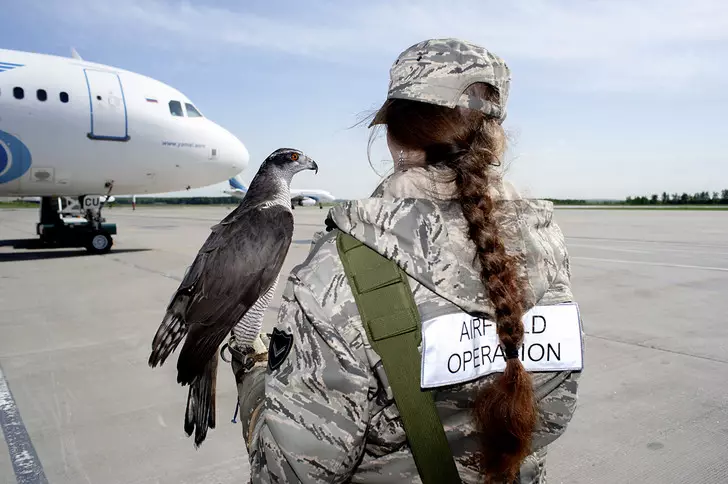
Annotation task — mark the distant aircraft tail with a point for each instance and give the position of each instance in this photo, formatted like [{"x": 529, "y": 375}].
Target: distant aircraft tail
[{"x": 236, "y": 185}]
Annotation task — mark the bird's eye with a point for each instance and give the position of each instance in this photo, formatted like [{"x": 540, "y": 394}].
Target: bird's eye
[{"x": 294, "y": 156}]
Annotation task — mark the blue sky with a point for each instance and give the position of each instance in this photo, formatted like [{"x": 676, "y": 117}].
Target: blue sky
[{"x": 609, "y": 98}]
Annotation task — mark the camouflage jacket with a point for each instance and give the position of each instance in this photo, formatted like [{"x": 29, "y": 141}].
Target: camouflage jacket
[{"x": 328, "y": 413}]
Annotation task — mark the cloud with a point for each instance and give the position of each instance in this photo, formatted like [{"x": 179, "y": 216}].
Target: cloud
[{"x": 621, "y": 45}]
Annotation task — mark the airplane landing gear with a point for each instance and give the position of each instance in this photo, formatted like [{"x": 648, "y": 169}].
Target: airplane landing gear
[
  {"x": 100, "y": 242},
  {"x": 65, "y": 222}
]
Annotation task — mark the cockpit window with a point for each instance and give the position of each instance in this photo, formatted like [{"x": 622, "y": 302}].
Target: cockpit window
[
  {"x": 192, "y": 112},
  {"x": 175, "y": 107}
]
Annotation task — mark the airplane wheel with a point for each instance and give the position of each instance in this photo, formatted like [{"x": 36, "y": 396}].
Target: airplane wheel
[{"x": 99, "y": 243}]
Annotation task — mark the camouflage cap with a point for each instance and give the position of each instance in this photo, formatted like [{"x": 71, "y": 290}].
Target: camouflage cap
[{"x": 438, "y": 71}]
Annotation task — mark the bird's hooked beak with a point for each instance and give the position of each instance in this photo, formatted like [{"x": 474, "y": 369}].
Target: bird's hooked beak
[{"x": 312, "y": 165}]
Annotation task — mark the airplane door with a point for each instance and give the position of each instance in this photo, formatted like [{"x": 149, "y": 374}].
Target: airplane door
[{"x": 108, "y": 106}]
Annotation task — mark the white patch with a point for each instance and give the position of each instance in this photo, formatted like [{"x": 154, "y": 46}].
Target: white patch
[
  {"x": 282, "y": 197},
  {"x": 6, "y": 400},
  {"x": 24, "y": 459},
  {"x": 458, "y": 348},
  {"x": 248, "y": 328}
]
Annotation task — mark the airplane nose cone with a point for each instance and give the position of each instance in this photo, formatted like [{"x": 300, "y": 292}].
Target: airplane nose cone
[
  {"x": 236, "y": 155},
  {"x": 241, "y": 155},
  {"x": 233, "y": 157},
  {"x": 225, "y": 156}
]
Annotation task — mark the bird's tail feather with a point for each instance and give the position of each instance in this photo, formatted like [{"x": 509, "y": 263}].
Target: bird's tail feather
[
  {"x": 200, "y": 413},
  {"x": 168, "y": 336}
]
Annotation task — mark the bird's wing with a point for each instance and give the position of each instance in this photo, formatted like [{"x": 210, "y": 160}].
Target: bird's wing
[
  {"x": 241, "y": 262},
  {"x": 174, "y": 326}
]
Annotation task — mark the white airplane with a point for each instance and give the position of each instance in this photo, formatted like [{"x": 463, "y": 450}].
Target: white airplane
[
  {"x": 302, "y": 197},
  {"x": 72, "y": 128}
]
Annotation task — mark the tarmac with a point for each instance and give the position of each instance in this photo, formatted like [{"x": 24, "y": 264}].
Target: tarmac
[{"x": 78, "y": 403}]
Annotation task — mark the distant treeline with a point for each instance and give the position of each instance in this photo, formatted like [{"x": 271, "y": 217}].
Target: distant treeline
[
  {"x": 558, "y": 201},
  {"x": 182, "y": 201},
  {"x": 702, "y": 198},
  {"x": 179, "y": 201}
]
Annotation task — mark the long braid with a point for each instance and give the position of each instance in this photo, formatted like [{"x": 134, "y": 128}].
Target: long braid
[
  {"x": 505, "y": 410},
  {"x": 469, "y": 144}
]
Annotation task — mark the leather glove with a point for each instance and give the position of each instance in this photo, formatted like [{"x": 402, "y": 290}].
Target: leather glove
[{"x": 249, "y": 366}]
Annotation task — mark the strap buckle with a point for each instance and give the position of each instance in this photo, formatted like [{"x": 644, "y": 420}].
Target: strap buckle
[{"x": 247, "y": 357}]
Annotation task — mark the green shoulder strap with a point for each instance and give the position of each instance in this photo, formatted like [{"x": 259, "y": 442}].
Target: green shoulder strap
[{"x": 392, "y": 323}]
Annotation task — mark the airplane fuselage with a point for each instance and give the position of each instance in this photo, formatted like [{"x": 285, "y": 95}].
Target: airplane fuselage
[{"x": 70, "y": 127}]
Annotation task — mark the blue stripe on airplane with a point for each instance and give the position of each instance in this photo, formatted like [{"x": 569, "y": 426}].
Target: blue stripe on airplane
[
  {"x": 4, "y": 66},
  {"x": 236, "y": 184}
]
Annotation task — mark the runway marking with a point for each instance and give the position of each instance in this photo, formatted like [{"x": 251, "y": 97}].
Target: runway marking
[
  {"x": 647, "y": 251},
  {"x": 645, "y": 263},
  {"x": 145, "y": 269},
  {"x": 656, "y": 348},
  {"x": 27, "y": 466},
  {"x": 613, "y": 249},
  {"x": 646, "y": 241}
]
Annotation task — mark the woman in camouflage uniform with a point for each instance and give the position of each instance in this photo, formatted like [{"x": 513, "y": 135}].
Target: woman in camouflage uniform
[{"x": 321, "y": 409}]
